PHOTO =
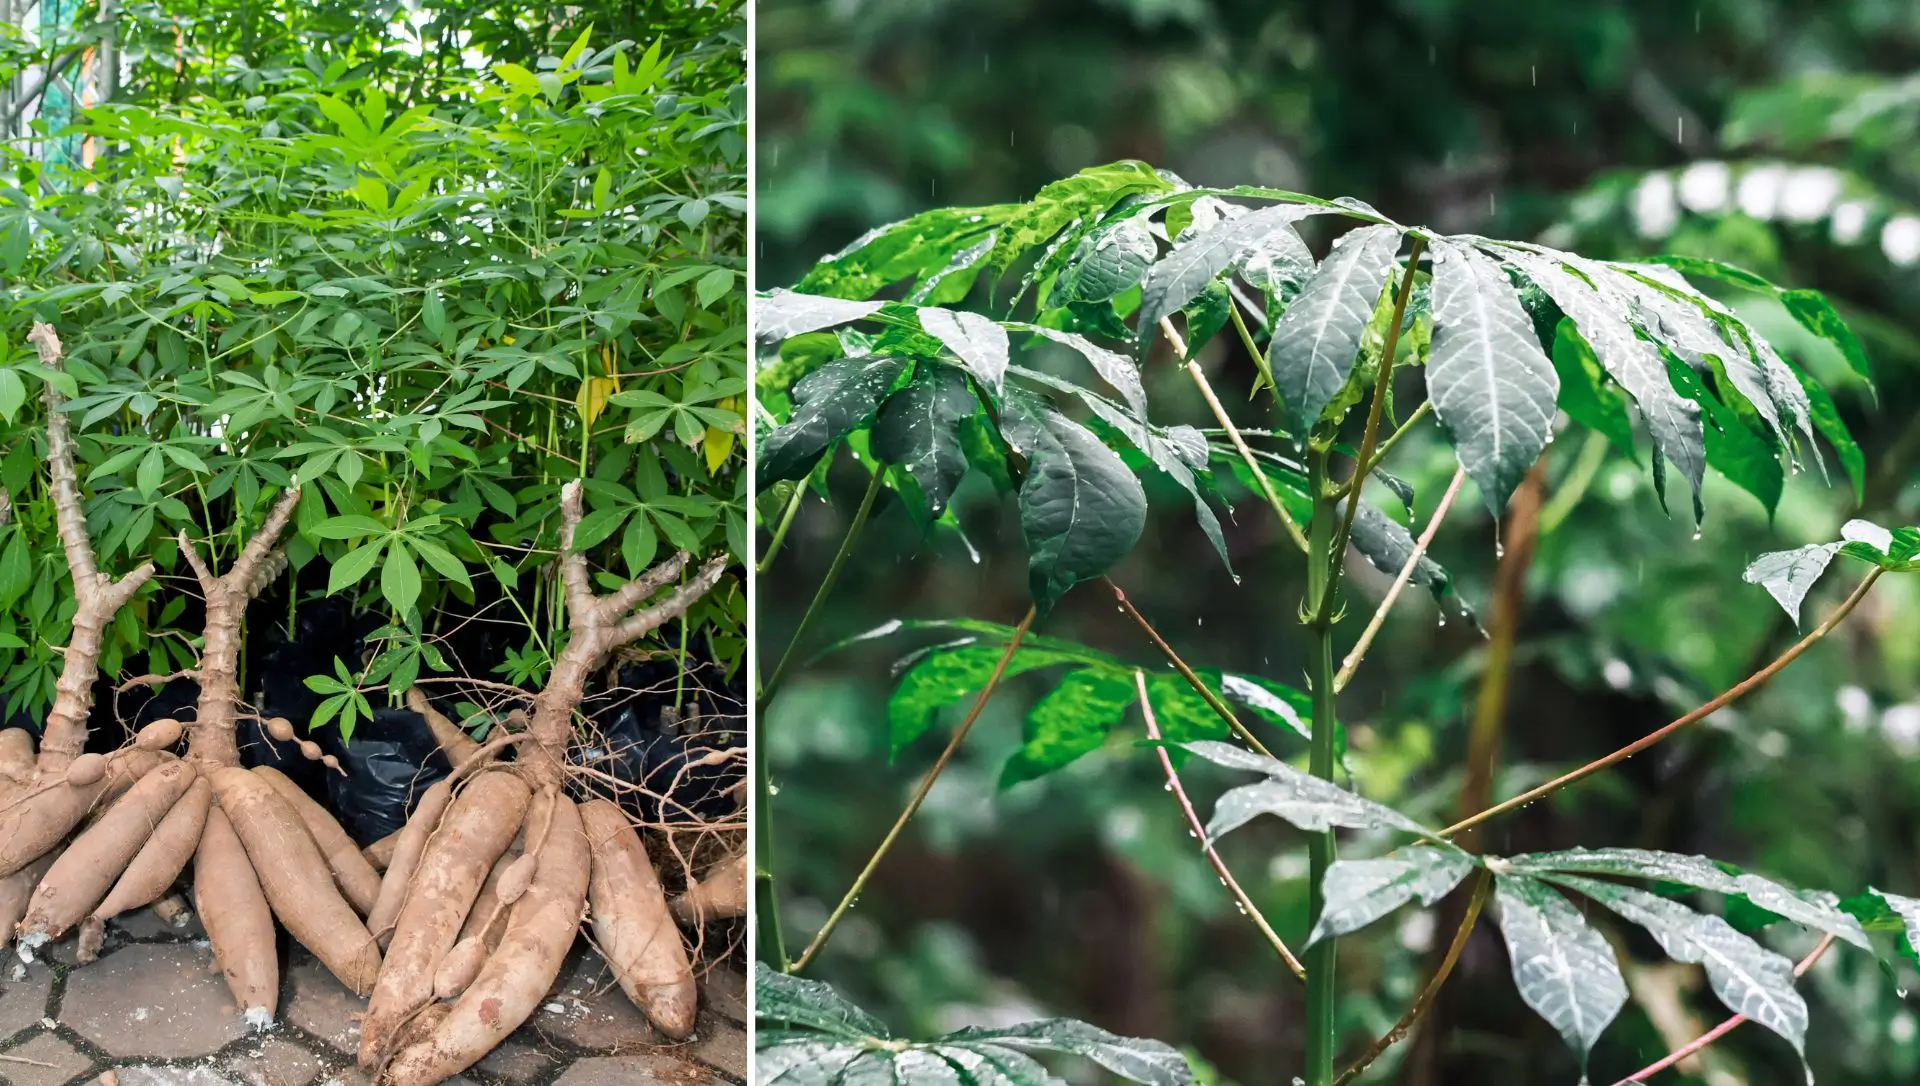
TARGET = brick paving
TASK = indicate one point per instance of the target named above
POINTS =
(152, 1011)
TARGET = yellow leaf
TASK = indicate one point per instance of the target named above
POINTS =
(718, 445)
(592, 398)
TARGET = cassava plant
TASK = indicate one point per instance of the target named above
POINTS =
(1508, 336)
(465, 966)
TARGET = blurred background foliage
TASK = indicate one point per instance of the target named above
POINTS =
(1775, 135)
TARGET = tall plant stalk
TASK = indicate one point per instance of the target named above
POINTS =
(1322, 574)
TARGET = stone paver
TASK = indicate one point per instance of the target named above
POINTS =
(23, 1002)
(633, 1071)
(586, 1008)
(323, 1006)
(719, 1043)
(156, 1001)
(518, 1063)
(274, 1062)
(67, 1062)
(164, 1017)
(171, 1076)
(725, 991)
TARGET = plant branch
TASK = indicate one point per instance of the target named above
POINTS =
(919, 796)
(1586, 465)
(1386, 446)
(1382, 385)
(1721, 1030)
(1253, 351)
(826, 583)
(1400, 582)
(1400, 1029)
(1233, 433)
(780, 531)
(1206, 846)
(1213, 700)
(1732, 694)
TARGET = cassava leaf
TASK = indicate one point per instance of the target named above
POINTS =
(783, 314)
(838, 1044)
(1817, 315)
(1113, 367)
(1071, 721)
(1748, 978)
(1110, 260)
(1492, 387)
(1358, 892)
(900, 250)
(1635, 363)
(1386, 544)
(979, 343)
(1586, 394)
(1826, 419)
(1081, 510)
(1812, 911)
(1789, 575)
(1306, 801)
(829, 403)
(1183, 273)
(1564, 969)
(945, 675)
(1082, 197)
(1317, 339)
(918, 429)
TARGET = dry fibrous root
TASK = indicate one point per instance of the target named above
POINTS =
(44, 796)
(261, 849)
(485, 886)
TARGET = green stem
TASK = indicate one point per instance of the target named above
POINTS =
(1593, 453)
(827, 582)
(780, 532)
(773, 939)
(919, 796)
(1322, 575)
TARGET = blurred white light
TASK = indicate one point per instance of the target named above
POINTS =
(1901, 726)
(1759, 193)
(1849, 222)
(1808, 193)
(1704, 186)
(1618, 673)
(1900, 239)
(1654, 211)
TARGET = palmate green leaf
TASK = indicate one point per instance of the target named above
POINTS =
(400, 578)
(1312, 804)
(1907, 912)
(1586, 394)
(1790, 574)
(353, 567)
(1564, 969)
(1081, 510)
(1748, 978)
(979, 343)
(1073, 720)
(1317, 339)
(1635, 363)
(944, 676)
(1817, 315)
(1110, 260)
(918, 429)
(829, 403)
(1358, 892)
(1082, 197)
(782, 314)
(1826, 419)
(1386, 545)
(1116, 369)
(837, 1044)
(1491, 386)
(810, 1004)
(1733, 449)
(1808, 910)
(914, 246)
(1183, 273)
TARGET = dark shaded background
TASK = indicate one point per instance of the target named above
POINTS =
(1583, 124)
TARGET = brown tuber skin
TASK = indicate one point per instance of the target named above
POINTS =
(631, 923)
(238, 920)
(463, 897)
(722, 895)
(158, 735)
(91, 865)
(355, 876)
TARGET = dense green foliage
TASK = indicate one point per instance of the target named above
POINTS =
(1079, 892)
(433, 263)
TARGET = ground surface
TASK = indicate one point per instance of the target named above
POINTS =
(154, 1012)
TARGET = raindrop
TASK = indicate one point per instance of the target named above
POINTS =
(1431, 55)
(986, 62)
(1680, 130)
(1201, 621)
(1901, 992)
(1533, 74)
(1490, 209)
(1696, 535)
(1499, 549)
(1443, 621)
